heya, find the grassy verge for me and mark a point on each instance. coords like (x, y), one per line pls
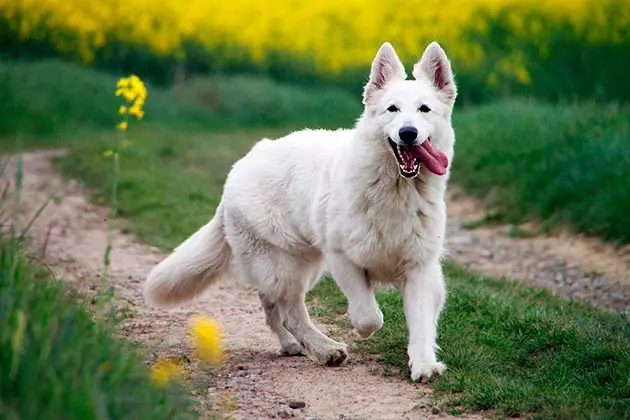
(565, 165)
(52, 102)
(509, 347)
(59, 361)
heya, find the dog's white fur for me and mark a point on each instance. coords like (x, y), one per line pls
(316, 200)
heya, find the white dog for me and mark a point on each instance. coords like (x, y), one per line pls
(366, 204)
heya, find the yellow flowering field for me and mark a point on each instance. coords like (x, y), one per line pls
(336, 34)
(327, 39)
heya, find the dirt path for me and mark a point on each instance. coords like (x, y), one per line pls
(256, 384)
(579, 267)
(72, 235)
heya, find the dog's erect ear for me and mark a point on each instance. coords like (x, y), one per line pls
(385, 68)
(435, 66)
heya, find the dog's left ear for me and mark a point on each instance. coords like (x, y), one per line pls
(435, 66)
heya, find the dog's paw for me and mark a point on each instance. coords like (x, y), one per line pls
(425, 371)
(336, 357)
(291, 349)
(331, 355)
(366, 321)
(365, 329)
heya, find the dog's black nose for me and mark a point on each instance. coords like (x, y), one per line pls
(408, 135)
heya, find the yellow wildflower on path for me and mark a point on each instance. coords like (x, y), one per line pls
(167, 369)
(207, 339)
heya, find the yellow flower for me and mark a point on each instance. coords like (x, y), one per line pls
(167, 369)
(129, 95)
(139, 102)
(136, 110)
(123, 82)
(132, 89)
(207, 339)
(137, 86)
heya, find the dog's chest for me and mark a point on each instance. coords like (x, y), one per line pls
(389, 240)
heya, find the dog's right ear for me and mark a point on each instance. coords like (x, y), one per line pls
(385, 68)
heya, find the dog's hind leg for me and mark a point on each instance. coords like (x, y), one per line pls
(317, 345)
(283, 281)
(288, 344)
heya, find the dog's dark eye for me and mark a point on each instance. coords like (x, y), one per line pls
(392, 108)
(424, 108)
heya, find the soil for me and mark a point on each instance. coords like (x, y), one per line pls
(70, 236)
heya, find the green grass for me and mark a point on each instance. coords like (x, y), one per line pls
(511, 348)
(51, 100)
(566, 165)
(57, 361)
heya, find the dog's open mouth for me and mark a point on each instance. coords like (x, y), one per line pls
(411, 157)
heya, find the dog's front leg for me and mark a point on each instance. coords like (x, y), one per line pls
(363, 310)
(424, 294)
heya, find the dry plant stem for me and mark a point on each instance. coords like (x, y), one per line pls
(113, 207)
(19, 182)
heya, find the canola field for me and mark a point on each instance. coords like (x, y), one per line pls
(491, 42)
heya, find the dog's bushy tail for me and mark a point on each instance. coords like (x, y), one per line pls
(194, 265)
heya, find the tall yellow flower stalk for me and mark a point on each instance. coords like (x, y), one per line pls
(134, 93)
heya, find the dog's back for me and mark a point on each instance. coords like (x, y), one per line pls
(278, 184)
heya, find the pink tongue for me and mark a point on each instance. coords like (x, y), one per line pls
(435, 160)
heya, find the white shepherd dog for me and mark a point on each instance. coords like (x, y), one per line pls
(366, 204)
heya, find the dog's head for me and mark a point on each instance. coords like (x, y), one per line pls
(413, 115)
